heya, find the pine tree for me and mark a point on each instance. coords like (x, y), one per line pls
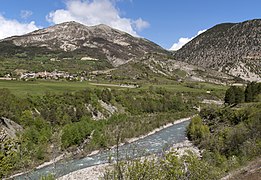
(253, 89)
(249, 93)
(234, 95)
(239, 95)
(230, 96)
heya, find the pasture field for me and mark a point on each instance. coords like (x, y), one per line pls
(22, 88)
(40, 87)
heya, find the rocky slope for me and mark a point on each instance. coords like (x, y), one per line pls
(8, 129)
(95, 42)
(152, 66)
(233, 48)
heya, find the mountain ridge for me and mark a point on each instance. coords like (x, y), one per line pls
(227, 48)
(233, 48)
(99, 42)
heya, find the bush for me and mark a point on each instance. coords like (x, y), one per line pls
(75, 133)
(197, 130)
(168, 167)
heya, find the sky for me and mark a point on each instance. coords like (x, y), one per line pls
(169, 23)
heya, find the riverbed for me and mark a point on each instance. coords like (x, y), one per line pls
(155, 143)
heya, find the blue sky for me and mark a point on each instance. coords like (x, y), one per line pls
(165, 22)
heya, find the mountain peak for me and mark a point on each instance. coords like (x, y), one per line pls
(70, 23)
(103, 26)
(74, 24)
(98, 42)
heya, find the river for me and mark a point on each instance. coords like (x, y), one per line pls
(152, 144)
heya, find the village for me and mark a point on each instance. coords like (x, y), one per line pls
(56, 75)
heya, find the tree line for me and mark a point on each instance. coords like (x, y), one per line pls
(236, 95)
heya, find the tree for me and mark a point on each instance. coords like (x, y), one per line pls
(249, 93)
(239, 95)
(106, 95)
(253, 89)
(230, 96)
(26, 118)
(197, 130)
(234, 95)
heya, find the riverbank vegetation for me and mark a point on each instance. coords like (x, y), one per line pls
(228, 136)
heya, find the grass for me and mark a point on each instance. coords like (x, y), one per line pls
(22, 88)
(40, 87)
(180, 73)
(193, 87)
(178, 88)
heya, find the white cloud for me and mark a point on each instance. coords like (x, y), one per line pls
(182, 41)
(141, 24)
(94, 12)
(25, 14)
(13, 27)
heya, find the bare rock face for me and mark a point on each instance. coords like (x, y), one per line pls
(233, 48)
(8, 128)
(99, 42)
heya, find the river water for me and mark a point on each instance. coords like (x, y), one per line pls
(153, 144)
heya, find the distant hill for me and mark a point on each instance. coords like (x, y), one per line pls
(95, 42)
(233, 48)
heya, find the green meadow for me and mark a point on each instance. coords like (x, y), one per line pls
(22, 88)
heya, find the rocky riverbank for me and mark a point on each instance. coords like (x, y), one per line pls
(88, 173)
(94, 172)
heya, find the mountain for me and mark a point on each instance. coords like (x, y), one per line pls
(92, 51)
(233, 48)
(94, 42)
